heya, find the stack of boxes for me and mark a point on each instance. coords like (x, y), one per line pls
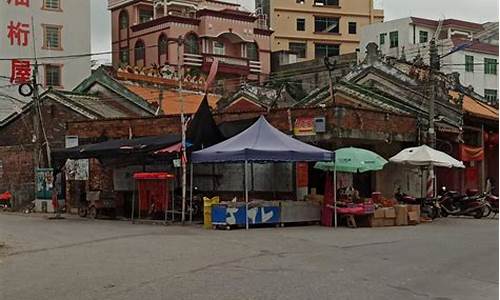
(399, 215)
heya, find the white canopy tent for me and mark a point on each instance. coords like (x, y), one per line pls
(425, 156)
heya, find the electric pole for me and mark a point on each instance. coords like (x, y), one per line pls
(180, 41)
(434, 66)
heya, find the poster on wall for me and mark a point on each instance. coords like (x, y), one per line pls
(77, 169)
(304, 126)
(44, 183)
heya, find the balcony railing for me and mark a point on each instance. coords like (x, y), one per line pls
(227, 64)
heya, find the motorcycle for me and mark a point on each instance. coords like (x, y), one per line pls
(491, 205)
(453, 204)
(428, 206)
(196, 208)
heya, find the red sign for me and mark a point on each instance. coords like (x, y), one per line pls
(20, 2)
(18, 33)
(20, 71)
(302, 174)
(304, 126)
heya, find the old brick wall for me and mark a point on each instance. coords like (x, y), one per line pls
(344, 117)
(54, 117)
(16, 147)
(88, 131)
(17, 173)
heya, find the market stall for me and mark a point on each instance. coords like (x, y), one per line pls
(261, 142)
(425, 156)
(350, 160)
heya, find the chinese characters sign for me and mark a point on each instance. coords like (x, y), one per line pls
(18, 35)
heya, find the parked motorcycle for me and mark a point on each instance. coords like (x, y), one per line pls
(428, 206)
(454, 204)
(491, 205)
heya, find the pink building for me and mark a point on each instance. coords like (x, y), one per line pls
(145, 35)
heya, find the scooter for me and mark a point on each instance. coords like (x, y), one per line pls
(453, 204)
(491, 205)
(428, 206)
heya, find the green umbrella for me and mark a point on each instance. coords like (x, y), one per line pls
(353, 160)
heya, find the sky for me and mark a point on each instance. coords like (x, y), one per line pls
(475, 11)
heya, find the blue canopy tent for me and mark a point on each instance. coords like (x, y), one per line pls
(260, 142)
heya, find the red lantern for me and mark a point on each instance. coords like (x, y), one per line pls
(493, 139)
(486, 137)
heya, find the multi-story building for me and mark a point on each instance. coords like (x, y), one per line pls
(476, 60)
(163, 34)
(318, 28)
(47, 29)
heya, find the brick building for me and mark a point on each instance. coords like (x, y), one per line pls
(57, 109)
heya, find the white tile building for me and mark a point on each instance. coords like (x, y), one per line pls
(60, 27)
(476, 64)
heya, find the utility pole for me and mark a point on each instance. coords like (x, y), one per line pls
(433, 67)
(180, 41)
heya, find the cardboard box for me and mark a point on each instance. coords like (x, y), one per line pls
(389, 222)
(401, 215)
(377, 222)
(389, 212)
(379, 213)
(413, 217)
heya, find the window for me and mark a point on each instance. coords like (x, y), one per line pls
(352, 28)
(469, 63)
(124, 56)
(123, 19)
(298, 48)
(326, 2)
(423, 36)
(191, 45)
(162, 49)
(326, 25)
(145, 15)
(53, 75)
(253, 51)
(490, 66)
(382, 38)
(393, 39)
(52, 37)
(52, 4)
(139, 53)
(301, 24)
(491, 96)
(322, 50)
(219, 48)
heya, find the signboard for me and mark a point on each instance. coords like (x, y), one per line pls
(44, 183)
(222, 215)
(304, 126)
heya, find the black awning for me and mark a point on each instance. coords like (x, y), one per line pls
(116, 148)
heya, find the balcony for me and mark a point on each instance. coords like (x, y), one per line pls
(227, 64)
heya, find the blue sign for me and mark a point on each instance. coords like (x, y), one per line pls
(222, 215)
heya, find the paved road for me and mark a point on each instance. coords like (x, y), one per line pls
(83, 259)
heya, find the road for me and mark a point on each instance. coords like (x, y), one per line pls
(453, 258)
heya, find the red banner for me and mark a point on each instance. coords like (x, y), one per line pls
(470, 153)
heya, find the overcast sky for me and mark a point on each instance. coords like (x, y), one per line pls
(469, 10)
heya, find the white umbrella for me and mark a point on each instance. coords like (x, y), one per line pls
(426, 156)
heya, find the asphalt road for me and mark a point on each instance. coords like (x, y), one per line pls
(83, 259)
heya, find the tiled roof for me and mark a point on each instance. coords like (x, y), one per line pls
(171, 104)
(476, 108)
(92, 104)
(476, 47)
